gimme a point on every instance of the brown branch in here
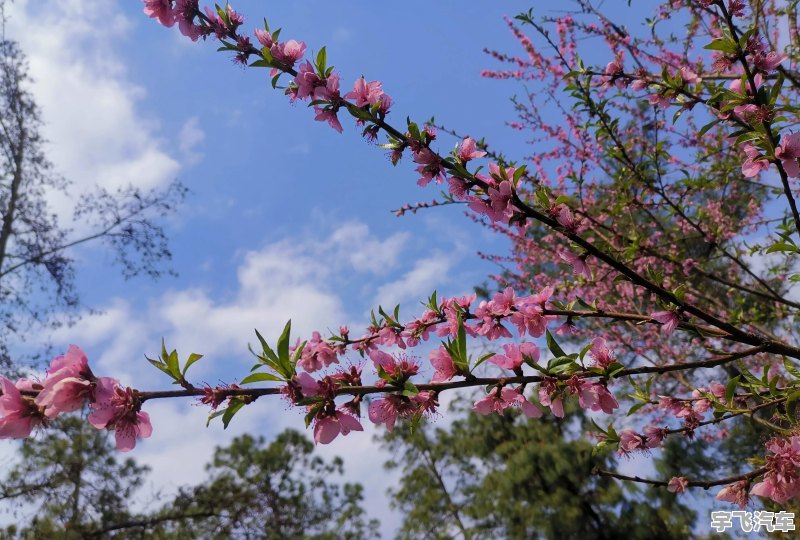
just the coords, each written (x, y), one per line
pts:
(705, 484)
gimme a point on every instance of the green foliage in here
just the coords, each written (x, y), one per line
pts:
(70, 484)
(510, 477)
(73, 478)
(277, 491)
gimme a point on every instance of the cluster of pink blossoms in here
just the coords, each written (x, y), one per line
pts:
(488, 318)
(691, 411)
(630, 441)
(114, 406)
(68, 385)
(782, 480)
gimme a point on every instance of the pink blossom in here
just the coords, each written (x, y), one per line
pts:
(469, 150)
(442, 362)
(592, 396)
(118, 408)
(629, 441)
(515, 355)
(430, 167)
(689, 76)
(782, 480)
(185, 12)
(528, 409)
(614, 75)
(499, 401)
(390, 336)
(18, 414)
(752, 166)
(768, 61)
(308, 385)
(306, 80)
(668, 319)
(736, 8)
(328, 89)
(489, 315)
(566, 329)
(328, 115)
(736, 84)
(264, 37)
(671, 405)
(400, 366)
(677, 484)
(735, 493)
(557, 407)
(658, 100)
(217, 24)
(385, 103)
(69, 382)
(328, 427)
(578, 263)
(788, 152)
(498, 207)
(385, 411)
(549, 397)
(567, 220)
(425, 402)
(654, 436)
(529, 317)
(317, 354)
(771, 488)
(365, 93)
(601, 353)
(161, 10)
(287, 53)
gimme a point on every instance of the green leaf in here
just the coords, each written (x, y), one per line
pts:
(172, 364)
(782, 247)
(482, 359)
(409, 389)
(776, 89)
(283, 343)
(553, 345)
(636, 407)
(159, 365)
(613, 369)
(233, 408)
(560, 363)
(723, 44)
(749, 136)
(730, 389)
(312, 413)
(462, 340)
(791, 369)
(213, 415)
(268, 352)
(260, 377)
(194, 357)
(597, 427)
(705, 128)
(790, 401)
(322, 58)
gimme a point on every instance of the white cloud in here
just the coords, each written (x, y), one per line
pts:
(190, 136)
(297, 277)
(96, 136)
(300, 277)
(417, 283)
(354, 243)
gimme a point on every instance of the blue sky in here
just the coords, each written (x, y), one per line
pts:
(286, 218)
